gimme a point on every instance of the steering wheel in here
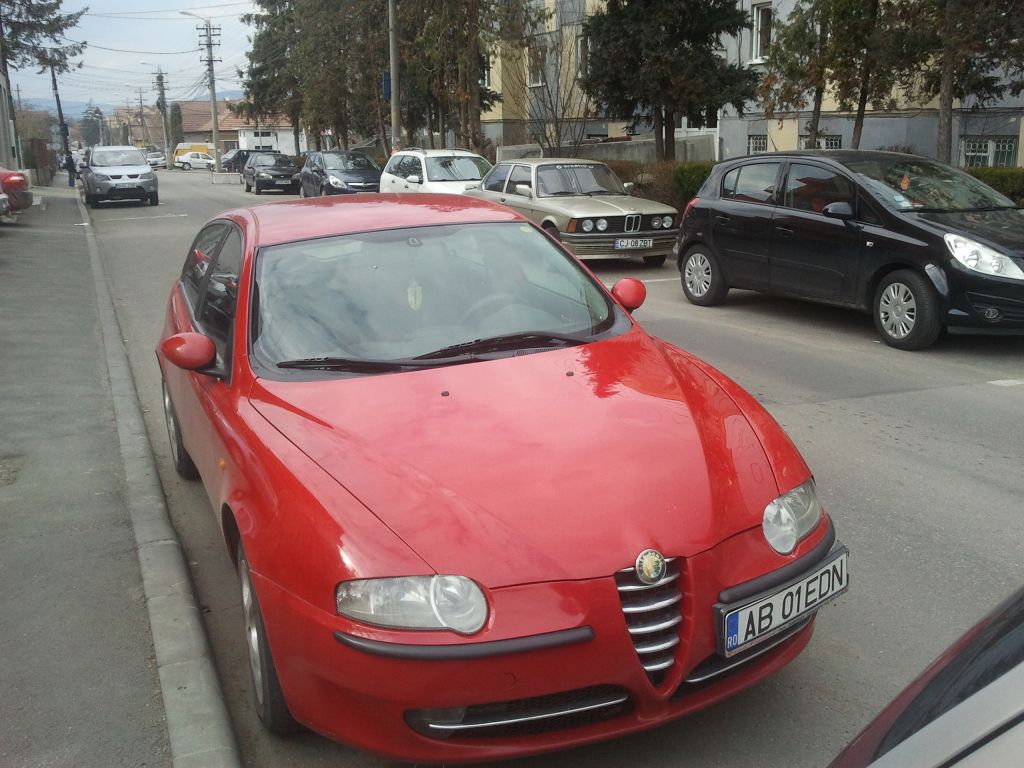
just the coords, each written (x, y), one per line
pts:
(490, 303)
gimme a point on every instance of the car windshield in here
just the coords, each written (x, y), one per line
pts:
(456, 168)
(400, 294)
(349, 161)
(108, 158)
(154, 154)
(274, 161)
(914, 184)
(565, 179)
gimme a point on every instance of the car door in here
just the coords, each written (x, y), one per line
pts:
(520, 175)
(741, 222)
(215, 318)
(492, 185)
(392, 174)
(307, 176)
(814, 255)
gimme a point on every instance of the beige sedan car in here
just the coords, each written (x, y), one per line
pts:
(583, 204)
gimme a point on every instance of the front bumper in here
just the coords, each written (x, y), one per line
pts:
(980, 304)
(559, 665)
(122, 189)
(601, 245)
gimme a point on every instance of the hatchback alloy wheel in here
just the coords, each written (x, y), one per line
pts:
(252, 630)
(697, 274)
(183, 464)
(897, 310)
(702, 278)
(906, 311)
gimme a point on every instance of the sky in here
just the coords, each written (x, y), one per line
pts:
(124, 33)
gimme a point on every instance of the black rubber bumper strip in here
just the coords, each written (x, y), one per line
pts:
(783, 574)
(468, 650)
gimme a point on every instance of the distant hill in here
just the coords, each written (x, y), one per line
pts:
(73, 109)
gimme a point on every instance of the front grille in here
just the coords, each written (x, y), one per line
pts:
(540, 714)
(653, 617)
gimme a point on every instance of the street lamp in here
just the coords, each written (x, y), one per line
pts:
(161, 105)
(213, 85)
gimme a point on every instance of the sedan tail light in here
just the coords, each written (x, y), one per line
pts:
(16, 182)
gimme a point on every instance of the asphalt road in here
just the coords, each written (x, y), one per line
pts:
(917, 456)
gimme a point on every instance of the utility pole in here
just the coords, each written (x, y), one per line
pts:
(142, 118)
(161, 104)
(60, 112)
(396, 112)
(207, 33)
(19, 96)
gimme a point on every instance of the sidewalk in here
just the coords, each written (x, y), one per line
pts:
(87, 561)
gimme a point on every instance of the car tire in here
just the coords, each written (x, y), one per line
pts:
(552, 230)
(655, 261)
(183, 463)
(154, 199)
(906, 311)
(90, 200)
(186, 166)
(248, 186)
(256, 188)
(302, 191)
(268, 697)
(295, 190)
(702, 278)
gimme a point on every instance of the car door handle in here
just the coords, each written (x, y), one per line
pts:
(783, 230)
(722, 219)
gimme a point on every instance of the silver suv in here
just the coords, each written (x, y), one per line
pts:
(118, 173)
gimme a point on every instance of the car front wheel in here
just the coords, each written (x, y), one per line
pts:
(183, 464)
(270, 704)
(154, 199)
(703, 282)
(248, 186)
(906, 311)
(186, 166)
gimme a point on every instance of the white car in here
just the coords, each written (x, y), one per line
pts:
(156, 159)
(191, 160)
(445, 171)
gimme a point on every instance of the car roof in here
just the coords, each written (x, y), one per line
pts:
(115, 146)
(278, 223)
(841, 156)
(436, 152)
(553, 161)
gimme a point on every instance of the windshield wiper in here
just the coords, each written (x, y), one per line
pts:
(522, 340)
(348, 364)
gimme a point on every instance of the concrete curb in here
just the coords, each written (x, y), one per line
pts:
(198, 725)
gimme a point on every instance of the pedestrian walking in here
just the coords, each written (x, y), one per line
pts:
(69, 163)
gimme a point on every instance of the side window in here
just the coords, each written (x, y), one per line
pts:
(393, 165)
(756, 183)
(220, 295)
(811, 188)
(866, 212)
(495, 181)
(520, 175)
(729, 183)
(198, 261)
(413, 167)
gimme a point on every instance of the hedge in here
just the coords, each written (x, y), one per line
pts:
(668, 182)
(1009, 181)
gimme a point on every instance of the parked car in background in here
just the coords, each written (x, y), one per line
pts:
(5, 204)
(403, 589)
(270, 170)
(190, 160)
(234, 159)
(583, 204)
(15, 185)
(445, 171)
(156, 159)
(118, 173)
(338, 172)
(965, 711)
(918, 244)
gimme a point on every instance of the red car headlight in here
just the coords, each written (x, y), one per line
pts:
(415, 602)
(790, 517)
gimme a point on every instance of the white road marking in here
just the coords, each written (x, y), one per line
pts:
(138, 218)
(1008, 382)
(83, 224)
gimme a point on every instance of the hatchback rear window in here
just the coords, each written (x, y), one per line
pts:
(754, 183)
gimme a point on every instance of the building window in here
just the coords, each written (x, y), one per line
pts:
(993, 152)
(485, 79)
(537, 55)
(763, 15)
(831, 141)
(582, 56)
(757, 144)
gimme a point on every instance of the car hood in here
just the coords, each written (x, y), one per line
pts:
(604, 205)
(276, 171)
(557, 465)
(369, 175)
(122, 170)
(1002, 230)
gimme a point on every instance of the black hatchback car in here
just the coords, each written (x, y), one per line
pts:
(920, 245)
(267, 170)
(338, 172)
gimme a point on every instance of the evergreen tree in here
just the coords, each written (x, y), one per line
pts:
(91, 125)
(177, 132)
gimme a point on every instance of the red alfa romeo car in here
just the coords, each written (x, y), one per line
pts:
(477, 511)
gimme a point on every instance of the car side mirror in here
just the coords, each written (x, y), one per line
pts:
(628, 186)
(524, 189)
(190, 351)
(838, 210)
(414, 179)
(630, 293)
(473, 185)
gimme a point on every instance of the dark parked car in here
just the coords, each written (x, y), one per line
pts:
(338, 173)
(965, 710)
(920, 245)
(234, 159)
(270, 170)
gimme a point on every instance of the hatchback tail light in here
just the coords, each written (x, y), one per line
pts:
(689, 206)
